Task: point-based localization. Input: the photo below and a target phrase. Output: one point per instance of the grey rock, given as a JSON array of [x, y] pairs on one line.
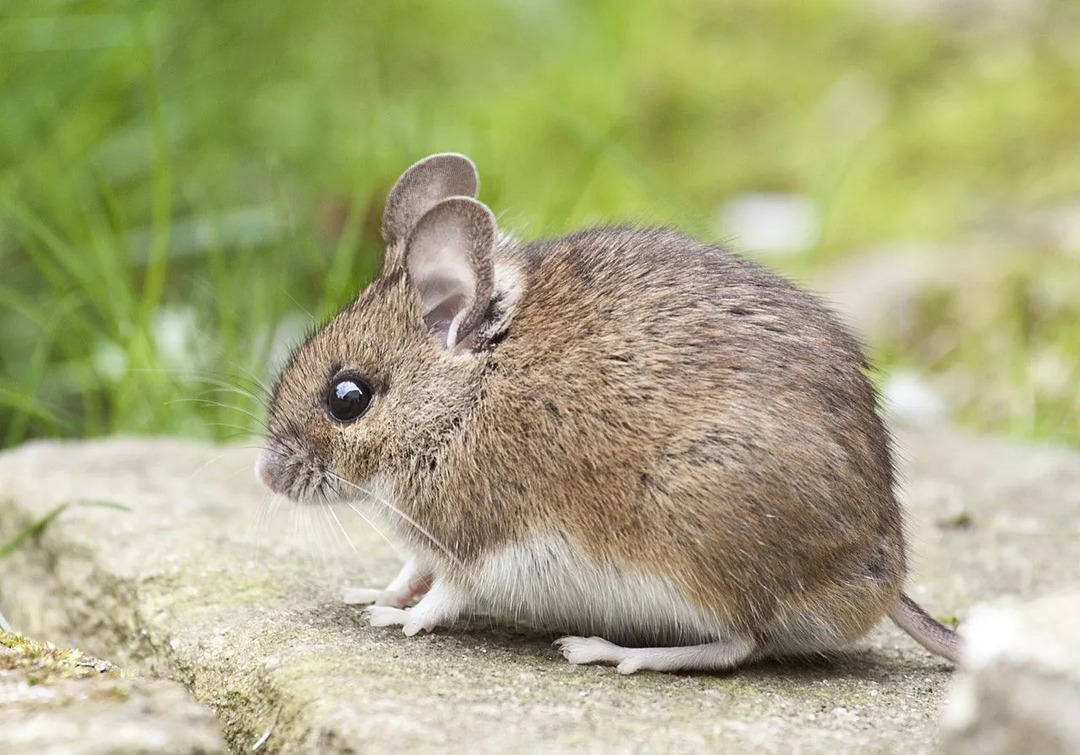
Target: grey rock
[[1020, 690], [104, 717], [208, 581]]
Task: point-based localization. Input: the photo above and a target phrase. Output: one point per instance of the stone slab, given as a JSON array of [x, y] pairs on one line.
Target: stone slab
[[208, 581], [1020, 688], [104, 717]]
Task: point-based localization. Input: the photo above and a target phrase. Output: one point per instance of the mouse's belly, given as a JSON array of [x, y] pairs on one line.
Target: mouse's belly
[[546, 583]]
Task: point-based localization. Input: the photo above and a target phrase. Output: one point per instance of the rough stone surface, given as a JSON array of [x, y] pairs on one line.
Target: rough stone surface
[[105, 717], [58, 700], [207, 581], [1020, 690]]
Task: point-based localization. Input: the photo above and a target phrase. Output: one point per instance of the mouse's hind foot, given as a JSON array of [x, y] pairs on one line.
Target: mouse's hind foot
[[712, 656]]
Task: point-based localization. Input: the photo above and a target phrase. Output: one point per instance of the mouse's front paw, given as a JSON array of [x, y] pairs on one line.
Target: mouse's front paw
[[439, 607], [385, 616], [410, 620]]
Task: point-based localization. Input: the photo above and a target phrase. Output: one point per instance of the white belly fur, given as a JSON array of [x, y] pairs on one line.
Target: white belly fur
[[545, 583]]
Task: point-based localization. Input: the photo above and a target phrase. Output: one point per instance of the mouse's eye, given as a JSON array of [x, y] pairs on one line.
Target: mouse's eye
[[348, 399]]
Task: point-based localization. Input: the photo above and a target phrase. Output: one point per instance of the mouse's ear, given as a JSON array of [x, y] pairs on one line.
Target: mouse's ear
[[448, 258], [434, 178]]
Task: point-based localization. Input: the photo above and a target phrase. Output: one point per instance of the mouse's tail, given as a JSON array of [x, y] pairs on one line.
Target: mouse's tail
[[925, 629]]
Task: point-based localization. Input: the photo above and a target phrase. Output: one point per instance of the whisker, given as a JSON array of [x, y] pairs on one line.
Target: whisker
[[419, 528], [207, 378], [301, 307], [232, 407], [203, 467], [359, 512], [256, 520], [251, 376], [209, 402], [240, 429], [265, 515], [320, 524], [341, 527], [296, 523], [234, 390], [240, 470], [335, 523], [310, 545]]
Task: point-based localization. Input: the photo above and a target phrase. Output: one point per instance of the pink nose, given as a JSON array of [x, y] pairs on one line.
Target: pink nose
[[264, 469]]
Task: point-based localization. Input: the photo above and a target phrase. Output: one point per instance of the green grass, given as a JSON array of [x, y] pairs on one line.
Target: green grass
[[178, 178]]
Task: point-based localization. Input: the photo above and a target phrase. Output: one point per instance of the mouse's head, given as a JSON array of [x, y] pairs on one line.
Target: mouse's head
[[375, 389]]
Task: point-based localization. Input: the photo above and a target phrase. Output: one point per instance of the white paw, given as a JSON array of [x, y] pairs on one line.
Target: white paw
[[419, 622], [386, 616], [360, 596], [579, 650], [410, 620], [631, 665]]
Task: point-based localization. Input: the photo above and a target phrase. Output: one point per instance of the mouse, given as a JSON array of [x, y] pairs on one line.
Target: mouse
[[647, 444]]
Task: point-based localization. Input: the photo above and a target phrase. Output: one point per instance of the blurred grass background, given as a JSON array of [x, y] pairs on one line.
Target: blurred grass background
[[182, 182]]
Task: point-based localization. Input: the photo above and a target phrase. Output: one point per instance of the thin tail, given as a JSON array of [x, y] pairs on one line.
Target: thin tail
[[925, 629]]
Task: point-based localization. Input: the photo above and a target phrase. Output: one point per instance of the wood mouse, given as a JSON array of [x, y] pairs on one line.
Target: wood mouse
[[655, 446]]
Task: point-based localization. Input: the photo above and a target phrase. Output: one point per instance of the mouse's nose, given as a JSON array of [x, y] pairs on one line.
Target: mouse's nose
[[264, 468]]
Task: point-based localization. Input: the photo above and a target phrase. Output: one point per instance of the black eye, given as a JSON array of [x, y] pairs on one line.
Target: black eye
[[349, 397]]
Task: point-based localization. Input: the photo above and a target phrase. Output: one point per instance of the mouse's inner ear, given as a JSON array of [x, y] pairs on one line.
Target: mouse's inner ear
[[448, 258], [419, 189]]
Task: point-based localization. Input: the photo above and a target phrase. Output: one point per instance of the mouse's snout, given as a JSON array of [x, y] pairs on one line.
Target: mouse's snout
[[298, 477], [264, 468]]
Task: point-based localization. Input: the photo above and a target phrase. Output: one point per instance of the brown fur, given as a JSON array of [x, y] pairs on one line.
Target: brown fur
[[659, 403]]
